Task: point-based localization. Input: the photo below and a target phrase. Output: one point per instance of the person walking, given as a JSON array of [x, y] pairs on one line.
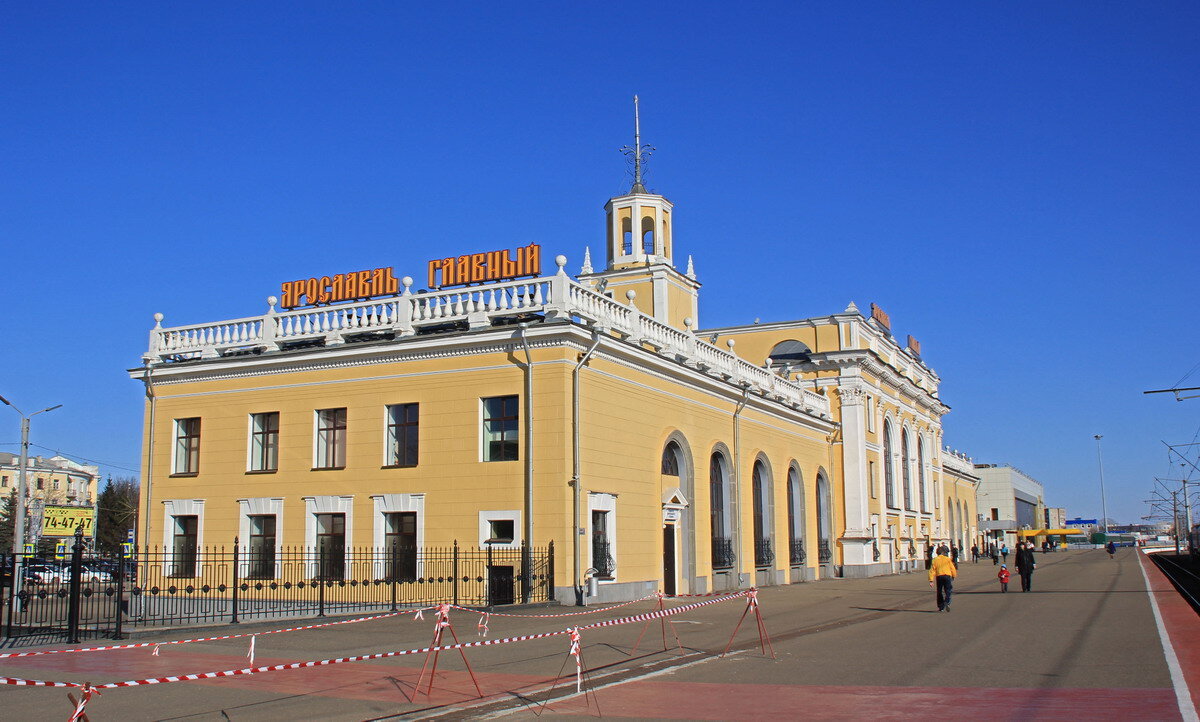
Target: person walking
[[1112, 549], [1003, 575], [941, 576], [1025, 566], [954, 554], [974, 553], [1004, 552], [993, 554]]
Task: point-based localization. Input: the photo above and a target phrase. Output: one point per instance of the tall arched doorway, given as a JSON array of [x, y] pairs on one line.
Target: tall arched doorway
[[678, 560], [889, 474], [721, 528], [764, 523], [824, 524], [797, 554]]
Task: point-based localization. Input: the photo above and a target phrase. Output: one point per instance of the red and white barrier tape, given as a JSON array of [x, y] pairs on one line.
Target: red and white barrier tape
[[379, 655], [84, 697], [555, 616], [156, 645]]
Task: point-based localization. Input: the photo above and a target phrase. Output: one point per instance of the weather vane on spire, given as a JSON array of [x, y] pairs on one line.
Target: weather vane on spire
[[637, 152]]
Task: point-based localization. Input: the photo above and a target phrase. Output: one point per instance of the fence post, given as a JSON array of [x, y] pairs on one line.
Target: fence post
[[526, 576], [236, 542], [393, 566], [12, 592], [550, 573], [76, 588], [455, 570], [321, 581], [122, 565]]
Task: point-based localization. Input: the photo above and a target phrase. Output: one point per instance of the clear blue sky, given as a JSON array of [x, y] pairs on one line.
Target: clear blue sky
[[1015, 183]]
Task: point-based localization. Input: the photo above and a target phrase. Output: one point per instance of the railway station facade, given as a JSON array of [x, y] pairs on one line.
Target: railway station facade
[[524, 408]]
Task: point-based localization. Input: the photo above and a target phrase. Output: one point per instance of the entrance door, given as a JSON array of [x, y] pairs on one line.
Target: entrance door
[[669, 559]]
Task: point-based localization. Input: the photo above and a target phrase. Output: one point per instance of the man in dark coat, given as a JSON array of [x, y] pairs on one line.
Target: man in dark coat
[[1025, 565]]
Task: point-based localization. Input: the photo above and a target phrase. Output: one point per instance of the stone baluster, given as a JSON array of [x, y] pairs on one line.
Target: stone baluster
[[558, 305], [403, 321], [270, 324], [633, 324], [157, 345]]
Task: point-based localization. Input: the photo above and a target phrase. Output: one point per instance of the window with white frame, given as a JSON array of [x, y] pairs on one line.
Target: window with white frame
[[402, 435], [500, 529], [602, 515], [330, 439], [501, 415], [264, 441], [187, 446]]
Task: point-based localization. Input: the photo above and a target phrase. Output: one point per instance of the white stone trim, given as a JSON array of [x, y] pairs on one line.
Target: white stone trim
[[485, 528], [314, 505], [392, 504], [182, 507], [258, 506], [602, 501]]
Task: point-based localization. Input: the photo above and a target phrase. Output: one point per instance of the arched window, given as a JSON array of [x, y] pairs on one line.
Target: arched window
[[921, 473], [763, 554], [718, 496], [648, 236], [824, 520], [795, 508], [670, 459], [626, 237], [905, 463], [889, 482]]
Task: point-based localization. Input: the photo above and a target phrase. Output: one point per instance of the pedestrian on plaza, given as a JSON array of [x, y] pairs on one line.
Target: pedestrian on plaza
[[941, 576], [1112, 550], [1003, 575], [954, 554], [993, 553], [1004, 552], [974, 553], [1025, 566]]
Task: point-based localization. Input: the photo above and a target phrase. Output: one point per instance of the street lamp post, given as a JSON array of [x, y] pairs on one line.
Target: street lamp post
[[18, 546], [1103, 502]]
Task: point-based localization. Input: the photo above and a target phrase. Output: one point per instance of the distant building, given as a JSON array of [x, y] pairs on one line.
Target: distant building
[[56, 480], [1056, 517], [1009, 500], [962, 487]]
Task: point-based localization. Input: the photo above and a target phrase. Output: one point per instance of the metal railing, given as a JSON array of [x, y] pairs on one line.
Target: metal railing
[[824, 553], [722, 553], [764, 555], [162, 587], [602, 559], [796, 553]]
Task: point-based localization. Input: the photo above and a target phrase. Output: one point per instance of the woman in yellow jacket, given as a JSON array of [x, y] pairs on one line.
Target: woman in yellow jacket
[[942, 573]]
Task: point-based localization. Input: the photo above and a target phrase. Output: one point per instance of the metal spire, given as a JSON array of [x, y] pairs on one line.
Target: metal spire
[[638, 153]]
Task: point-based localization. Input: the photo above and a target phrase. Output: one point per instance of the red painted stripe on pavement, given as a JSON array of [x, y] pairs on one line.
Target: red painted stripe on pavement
[[1182, 623]]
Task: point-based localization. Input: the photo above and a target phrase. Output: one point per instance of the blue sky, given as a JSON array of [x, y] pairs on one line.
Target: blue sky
[[1015, 183]]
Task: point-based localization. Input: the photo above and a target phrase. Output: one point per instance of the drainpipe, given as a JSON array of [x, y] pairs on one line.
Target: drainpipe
[[528, 534], [145, 512], [576, 491], [737, 470]]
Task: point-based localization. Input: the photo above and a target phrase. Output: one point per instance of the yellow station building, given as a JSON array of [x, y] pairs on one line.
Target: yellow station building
[[592, 411]]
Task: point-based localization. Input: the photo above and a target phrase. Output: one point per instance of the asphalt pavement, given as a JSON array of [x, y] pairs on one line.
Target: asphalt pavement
[[1083, 643]]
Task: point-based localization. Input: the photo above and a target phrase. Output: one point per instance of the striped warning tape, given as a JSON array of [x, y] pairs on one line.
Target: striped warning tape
[[363, 657], [210, 639], [553, 616]]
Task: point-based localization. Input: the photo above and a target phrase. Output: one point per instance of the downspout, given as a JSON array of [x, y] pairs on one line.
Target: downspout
[[526, 584], [145, 512], [737, 471], [576, 491]]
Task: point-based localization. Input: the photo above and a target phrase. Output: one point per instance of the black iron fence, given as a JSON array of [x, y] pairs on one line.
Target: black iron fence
[[158, 587], [764, 555], [722, 553], [797, 554], [824, 553]]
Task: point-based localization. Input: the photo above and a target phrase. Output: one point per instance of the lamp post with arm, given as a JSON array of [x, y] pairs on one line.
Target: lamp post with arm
[[1103, 503], [18, 546]]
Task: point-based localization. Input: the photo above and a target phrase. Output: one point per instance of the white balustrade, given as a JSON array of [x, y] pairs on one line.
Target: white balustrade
[[555, 296]]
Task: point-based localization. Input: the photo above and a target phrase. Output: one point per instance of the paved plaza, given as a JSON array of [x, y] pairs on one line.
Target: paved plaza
[[1083, 644]]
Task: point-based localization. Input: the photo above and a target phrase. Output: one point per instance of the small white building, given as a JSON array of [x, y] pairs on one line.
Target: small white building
[[1009, 499]]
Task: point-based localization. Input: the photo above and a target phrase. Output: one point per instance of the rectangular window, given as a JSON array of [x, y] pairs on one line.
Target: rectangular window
[[187, 446], [602, 559], [402, 435], [261, 561], [871, 480], [870, 414], [55, 484], [500, 417], [264, 441], [331, 545], [400, 545], [995, 514], [4, 481], [183, 546], [501, 531], [331, 439], [41, 484]]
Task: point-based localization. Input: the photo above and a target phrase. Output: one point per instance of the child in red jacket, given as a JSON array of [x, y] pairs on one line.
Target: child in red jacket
[[1003, 576]]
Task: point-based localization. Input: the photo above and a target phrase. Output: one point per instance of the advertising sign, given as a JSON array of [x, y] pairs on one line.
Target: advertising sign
[[64, 520]]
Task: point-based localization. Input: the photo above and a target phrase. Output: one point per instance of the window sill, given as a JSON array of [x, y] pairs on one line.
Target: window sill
[[497, 461], [262, 471], [398, 466], [184, 474], [328, 468]]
